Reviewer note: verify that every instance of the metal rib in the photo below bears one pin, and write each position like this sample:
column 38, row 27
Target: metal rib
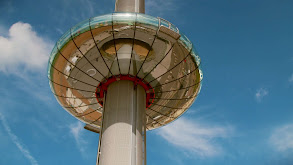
column 115, row 44
column 180, row 88
column 177, row 98
column 73, row 97
column 88, row 113
column 159, row 62
column 75, row 65
column 81, row 106
column 176, row 79
column 165, row 106
column 70, row 87
column 173, row 66
column 98, row 47
column 148, row 52
column 83, row 54
column 161, row 113
column 73, row 78
column 96, row 120
column 154, row 120
column 173, row 98
column 132, row 43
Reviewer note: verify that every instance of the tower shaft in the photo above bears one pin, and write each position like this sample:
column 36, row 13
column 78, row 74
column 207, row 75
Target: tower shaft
column 122, row 139
column 133, row 6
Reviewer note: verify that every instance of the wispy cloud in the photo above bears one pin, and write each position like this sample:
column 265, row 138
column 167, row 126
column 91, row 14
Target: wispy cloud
column 23, row 49
column 282, row 138
column 59, row 31
column 86, row 8
column 160, row 7
column 76, row 130
column 260, row 94
column 291, row 79
column 90, row 6
column 195, row 138
column 199, row 109
column 17, row 142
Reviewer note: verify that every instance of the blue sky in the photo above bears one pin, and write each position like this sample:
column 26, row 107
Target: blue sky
column 243, row 115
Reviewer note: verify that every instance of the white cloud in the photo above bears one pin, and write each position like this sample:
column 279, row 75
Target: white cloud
column 59, row 31
column 76, row 130
column 260, row 93
column 195, row 138
column 23, row 50
column 291, row 78
column 282, row 138
column 17, row 142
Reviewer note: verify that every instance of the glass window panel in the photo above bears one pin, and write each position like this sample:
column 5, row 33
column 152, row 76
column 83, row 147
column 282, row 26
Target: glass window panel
column 164, row 23
column 201, row 74
column 195, row 56
column 80, row 28
column 53, row 53
column 148, row 21
column 100, row 21
column 52, row 87
column 124, row 18
column 51, row 58
column 64, row 39
column 185, row 41
column 174, row 28
column 192, row 53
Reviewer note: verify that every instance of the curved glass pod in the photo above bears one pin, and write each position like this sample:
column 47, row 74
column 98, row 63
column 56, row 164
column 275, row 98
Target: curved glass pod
column 156, row 52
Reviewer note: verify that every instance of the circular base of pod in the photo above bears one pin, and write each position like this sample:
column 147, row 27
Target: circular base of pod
column 102, row 88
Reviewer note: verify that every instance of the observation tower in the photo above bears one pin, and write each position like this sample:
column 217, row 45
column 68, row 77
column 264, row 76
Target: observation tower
column 122, row 74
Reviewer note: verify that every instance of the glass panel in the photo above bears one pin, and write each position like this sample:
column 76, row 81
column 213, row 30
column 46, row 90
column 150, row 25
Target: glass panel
column 51, row 58
column 64, row 39
column 201, row 76
column 124, row 18
column 80, row 28
column 53, row 53
column 147, row 21
column 197, row 59
column 49, row 70
column 100, row 21
column 174, row 28
column 195, row 56
column 52, row 87
column 164, row 23
column 185, row 41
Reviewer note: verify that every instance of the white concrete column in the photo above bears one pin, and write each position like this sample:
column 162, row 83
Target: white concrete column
column 123, row 125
